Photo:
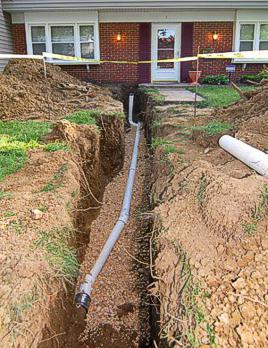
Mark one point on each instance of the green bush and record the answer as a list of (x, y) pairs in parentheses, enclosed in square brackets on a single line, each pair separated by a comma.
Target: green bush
[(255, 78), (215, 80)]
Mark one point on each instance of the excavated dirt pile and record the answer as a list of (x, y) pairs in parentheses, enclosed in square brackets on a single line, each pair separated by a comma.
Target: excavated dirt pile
[(210, 234), (250, 117), (247, 118), (254, 103), (26, 93)]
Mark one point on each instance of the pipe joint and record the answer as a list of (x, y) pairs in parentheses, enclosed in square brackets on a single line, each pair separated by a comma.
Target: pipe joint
[(82, 300)]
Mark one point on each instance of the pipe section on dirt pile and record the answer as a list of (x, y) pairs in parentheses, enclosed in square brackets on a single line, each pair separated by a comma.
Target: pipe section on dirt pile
[(247, 154), (82, 299)]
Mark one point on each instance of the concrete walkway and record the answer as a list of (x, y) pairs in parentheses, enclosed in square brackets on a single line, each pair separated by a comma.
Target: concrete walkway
[(176, 96)]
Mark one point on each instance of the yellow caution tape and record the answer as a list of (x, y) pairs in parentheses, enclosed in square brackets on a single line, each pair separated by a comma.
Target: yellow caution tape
[(96, 61), (230, 55), (62, 57), (225, 55)]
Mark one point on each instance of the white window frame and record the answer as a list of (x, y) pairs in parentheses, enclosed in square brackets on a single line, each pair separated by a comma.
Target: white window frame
[(33, 42), (50, 43), (256, 43), (77, 41), (80, 42)]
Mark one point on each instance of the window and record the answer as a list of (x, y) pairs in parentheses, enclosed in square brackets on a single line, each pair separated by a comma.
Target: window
[(253, 36), (38, 36), (263, 37), (80, 40), (247, 32), (86, 33), (62, 40)]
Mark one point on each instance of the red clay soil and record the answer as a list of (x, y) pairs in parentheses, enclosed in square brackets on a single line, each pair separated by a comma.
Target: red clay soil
[(38, 262), (25, 93), (250, 117), (118, 316)]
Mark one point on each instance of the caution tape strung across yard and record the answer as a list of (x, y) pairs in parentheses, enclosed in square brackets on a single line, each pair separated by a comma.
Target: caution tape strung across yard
[(225, 55), (68, 58), (20, 56), (233, 55)]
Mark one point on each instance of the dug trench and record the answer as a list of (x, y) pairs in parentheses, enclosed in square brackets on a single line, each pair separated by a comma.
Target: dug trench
[(60, 195), (120, 309), (196, 239), (204, 259), (209, 237)]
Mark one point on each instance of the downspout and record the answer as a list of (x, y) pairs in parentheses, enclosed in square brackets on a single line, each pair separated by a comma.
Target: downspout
[(82, 298), (247, 154)]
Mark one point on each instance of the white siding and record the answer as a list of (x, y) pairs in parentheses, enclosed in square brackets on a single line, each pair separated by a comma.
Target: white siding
[(5, 37)]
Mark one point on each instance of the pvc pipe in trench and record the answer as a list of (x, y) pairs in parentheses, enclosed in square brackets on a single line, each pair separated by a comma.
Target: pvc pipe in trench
[(83, 297), (249, 155), (130, 110)]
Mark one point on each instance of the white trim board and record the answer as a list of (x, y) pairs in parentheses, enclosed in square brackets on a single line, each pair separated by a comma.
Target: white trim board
[(61, 17), (163, 16), (253, 15), (127, 16)]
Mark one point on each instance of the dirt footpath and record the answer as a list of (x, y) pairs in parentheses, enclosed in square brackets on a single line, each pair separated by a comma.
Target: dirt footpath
[(118, 316)]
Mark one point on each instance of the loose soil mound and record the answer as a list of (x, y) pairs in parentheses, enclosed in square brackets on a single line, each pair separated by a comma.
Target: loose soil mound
[(25, 92), (250, 117), (213, 259), (211, 232), (255, 105)]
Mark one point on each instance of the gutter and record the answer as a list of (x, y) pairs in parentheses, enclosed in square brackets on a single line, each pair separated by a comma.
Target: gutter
[(46, 5)]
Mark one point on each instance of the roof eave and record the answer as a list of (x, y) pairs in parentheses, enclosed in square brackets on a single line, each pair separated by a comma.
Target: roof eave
[(10, 6)]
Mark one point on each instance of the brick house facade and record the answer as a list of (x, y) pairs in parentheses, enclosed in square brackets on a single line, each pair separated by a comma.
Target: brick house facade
[(136, 44), (202, 34)]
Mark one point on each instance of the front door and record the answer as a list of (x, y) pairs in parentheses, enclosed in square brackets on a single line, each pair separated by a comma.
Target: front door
[(165, 45)]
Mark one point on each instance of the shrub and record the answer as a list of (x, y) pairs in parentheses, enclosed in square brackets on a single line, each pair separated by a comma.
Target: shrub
[(255, 78), (216, 80)]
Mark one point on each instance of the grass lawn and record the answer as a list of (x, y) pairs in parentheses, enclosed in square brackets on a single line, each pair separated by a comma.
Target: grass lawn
[(218, 96), (214, 127), (17, 138)]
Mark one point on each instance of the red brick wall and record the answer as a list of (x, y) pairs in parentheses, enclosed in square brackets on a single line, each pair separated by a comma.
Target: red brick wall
[(110, 49), (130, 46), (19, 38), (202, 37)]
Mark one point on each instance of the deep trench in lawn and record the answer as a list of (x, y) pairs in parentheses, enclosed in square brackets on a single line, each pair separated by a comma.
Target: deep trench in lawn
[(121, 312)]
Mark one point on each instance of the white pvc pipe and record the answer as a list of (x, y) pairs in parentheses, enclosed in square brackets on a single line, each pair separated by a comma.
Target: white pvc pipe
[(130, 110), (83, 297), (249, 155)]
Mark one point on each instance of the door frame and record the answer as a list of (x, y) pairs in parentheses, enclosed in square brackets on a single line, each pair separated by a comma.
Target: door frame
[(177, 27)]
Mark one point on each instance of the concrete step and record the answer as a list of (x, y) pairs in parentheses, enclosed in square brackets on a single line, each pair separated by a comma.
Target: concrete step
[(179, 96), (166, 85)]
